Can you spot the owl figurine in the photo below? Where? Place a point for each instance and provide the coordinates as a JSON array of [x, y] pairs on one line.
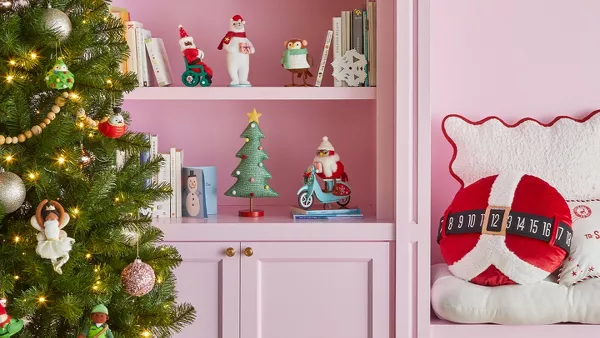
[[59, 77], [113, 126]]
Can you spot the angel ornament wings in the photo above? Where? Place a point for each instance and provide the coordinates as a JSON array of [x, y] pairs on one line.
[[53, 243]]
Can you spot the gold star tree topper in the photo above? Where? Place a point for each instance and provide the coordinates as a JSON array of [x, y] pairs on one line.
[[253, 116]]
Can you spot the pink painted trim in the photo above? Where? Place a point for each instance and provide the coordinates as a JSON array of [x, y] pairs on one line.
[[454, 147]]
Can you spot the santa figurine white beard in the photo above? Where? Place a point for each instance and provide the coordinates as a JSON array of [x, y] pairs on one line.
[[328, 164], [238, 48]]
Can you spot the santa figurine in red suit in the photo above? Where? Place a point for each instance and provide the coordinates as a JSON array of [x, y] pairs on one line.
[[193, 55], [8, 325], [328, 165], [238, 48]]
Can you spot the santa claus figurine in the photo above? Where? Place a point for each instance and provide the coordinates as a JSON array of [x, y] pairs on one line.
[[8, 325], [193, 55], [238, 48], [328, 165]]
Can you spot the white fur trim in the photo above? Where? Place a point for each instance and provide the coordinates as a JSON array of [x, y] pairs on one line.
[[564, 154], [503, 189], [325, 144], [329, 163], [182, 42], [491, 250]]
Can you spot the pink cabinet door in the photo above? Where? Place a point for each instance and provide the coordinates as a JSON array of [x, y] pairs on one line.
[[210, 280], [319, 289]]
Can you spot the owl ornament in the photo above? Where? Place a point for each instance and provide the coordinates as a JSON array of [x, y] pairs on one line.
[[59, 77], [53, 242], [297, 61], [113, 126]]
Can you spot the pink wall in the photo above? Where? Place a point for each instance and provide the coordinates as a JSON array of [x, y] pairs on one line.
[[512, 58], [209, 130]]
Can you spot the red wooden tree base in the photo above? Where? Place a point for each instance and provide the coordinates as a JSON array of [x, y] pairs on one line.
[[251, 213]]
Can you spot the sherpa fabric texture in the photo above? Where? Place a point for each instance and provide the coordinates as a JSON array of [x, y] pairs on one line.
[[564, 152], [545, 302], [492, 260]]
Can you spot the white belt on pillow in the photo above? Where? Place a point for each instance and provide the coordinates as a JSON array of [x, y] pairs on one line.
[[491, 248]]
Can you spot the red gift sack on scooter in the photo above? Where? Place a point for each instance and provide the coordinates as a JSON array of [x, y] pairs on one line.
[[340, 190]]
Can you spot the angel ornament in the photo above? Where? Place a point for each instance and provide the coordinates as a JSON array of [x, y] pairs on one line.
[[53, 243]]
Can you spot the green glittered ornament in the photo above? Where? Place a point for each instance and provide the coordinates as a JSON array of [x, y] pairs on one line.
[[59, 77]]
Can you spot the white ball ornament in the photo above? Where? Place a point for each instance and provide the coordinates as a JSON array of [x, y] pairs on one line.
[[237, 172], [234, 192], [12, 191], [253, 125]]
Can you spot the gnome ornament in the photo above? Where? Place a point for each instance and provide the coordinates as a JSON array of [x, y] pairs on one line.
[[113, 126], [328, 165], [193, 55], [238, 49], [505, 229], [8, 325]]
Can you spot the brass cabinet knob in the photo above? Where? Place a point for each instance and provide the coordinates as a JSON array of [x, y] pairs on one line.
[[230, 252], [248, 252]]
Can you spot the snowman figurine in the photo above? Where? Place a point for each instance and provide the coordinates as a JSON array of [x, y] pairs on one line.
[[192, 203]]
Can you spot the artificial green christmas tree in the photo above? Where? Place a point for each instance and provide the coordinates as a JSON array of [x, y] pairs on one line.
[[251, 173], [69, 216]]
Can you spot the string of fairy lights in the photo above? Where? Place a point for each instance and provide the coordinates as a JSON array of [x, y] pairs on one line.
[[82, 122]]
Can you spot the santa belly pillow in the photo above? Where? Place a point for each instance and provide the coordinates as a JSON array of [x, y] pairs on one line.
[[509, 228]]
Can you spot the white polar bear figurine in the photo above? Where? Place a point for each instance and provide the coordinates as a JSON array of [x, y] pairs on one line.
[[238, 49]]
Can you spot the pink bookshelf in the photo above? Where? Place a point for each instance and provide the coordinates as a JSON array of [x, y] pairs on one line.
[[336, 275], [253, 93]]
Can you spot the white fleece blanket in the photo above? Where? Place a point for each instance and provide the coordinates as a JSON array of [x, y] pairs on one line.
[[546, 302], [566, 145]]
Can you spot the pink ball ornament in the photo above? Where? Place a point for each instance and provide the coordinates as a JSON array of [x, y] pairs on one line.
[[138, 278]]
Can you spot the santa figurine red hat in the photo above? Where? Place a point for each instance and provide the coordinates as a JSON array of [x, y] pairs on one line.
[[238, 18], [327, 161], [193, 55]]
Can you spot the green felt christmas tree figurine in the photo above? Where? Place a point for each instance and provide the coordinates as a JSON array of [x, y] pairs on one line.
[[251, 173], [59, 77]]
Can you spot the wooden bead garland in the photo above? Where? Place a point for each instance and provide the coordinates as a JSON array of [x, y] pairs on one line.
[[37, 129]]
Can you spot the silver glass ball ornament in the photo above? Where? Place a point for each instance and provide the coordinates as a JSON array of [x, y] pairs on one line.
[[59, 22], [12, 191]]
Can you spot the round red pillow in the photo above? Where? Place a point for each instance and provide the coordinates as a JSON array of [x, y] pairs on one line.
[[506, 229]]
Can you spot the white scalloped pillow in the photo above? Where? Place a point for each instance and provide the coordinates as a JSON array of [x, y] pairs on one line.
[[565, 152]]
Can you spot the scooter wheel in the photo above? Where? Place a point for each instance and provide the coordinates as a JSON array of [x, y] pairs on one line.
[[344, 201], [305, 201]]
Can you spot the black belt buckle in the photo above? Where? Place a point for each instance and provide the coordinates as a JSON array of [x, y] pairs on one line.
[[495, 221]]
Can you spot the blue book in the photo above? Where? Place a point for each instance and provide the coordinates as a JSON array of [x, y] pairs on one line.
[[209, 193], [193, 203], [327, 212]]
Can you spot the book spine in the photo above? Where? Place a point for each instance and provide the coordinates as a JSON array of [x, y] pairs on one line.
[[366, 44], [337, 44], [142, 64], [173, 156], [162, 208], [145, 158], [324, 58], [357, 31], [120, 159], [167, 65], [132, 27], [178, 169]]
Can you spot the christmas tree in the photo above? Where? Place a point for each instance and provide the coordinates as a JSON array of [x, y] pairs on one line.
[[251, 173], [70, 220]]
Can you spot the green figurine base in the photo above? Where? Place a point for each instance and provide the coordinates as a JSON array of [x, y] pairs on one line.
[[12, 327]]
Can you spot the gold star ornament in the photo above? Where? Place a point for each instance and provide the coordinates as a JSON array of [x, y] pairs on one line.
[[253, 116]]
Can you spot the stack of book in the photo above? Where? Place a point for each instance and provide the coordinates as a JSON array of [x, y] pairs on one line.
[[146, 53], [350, 213], [176, 175], [357, 30]]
